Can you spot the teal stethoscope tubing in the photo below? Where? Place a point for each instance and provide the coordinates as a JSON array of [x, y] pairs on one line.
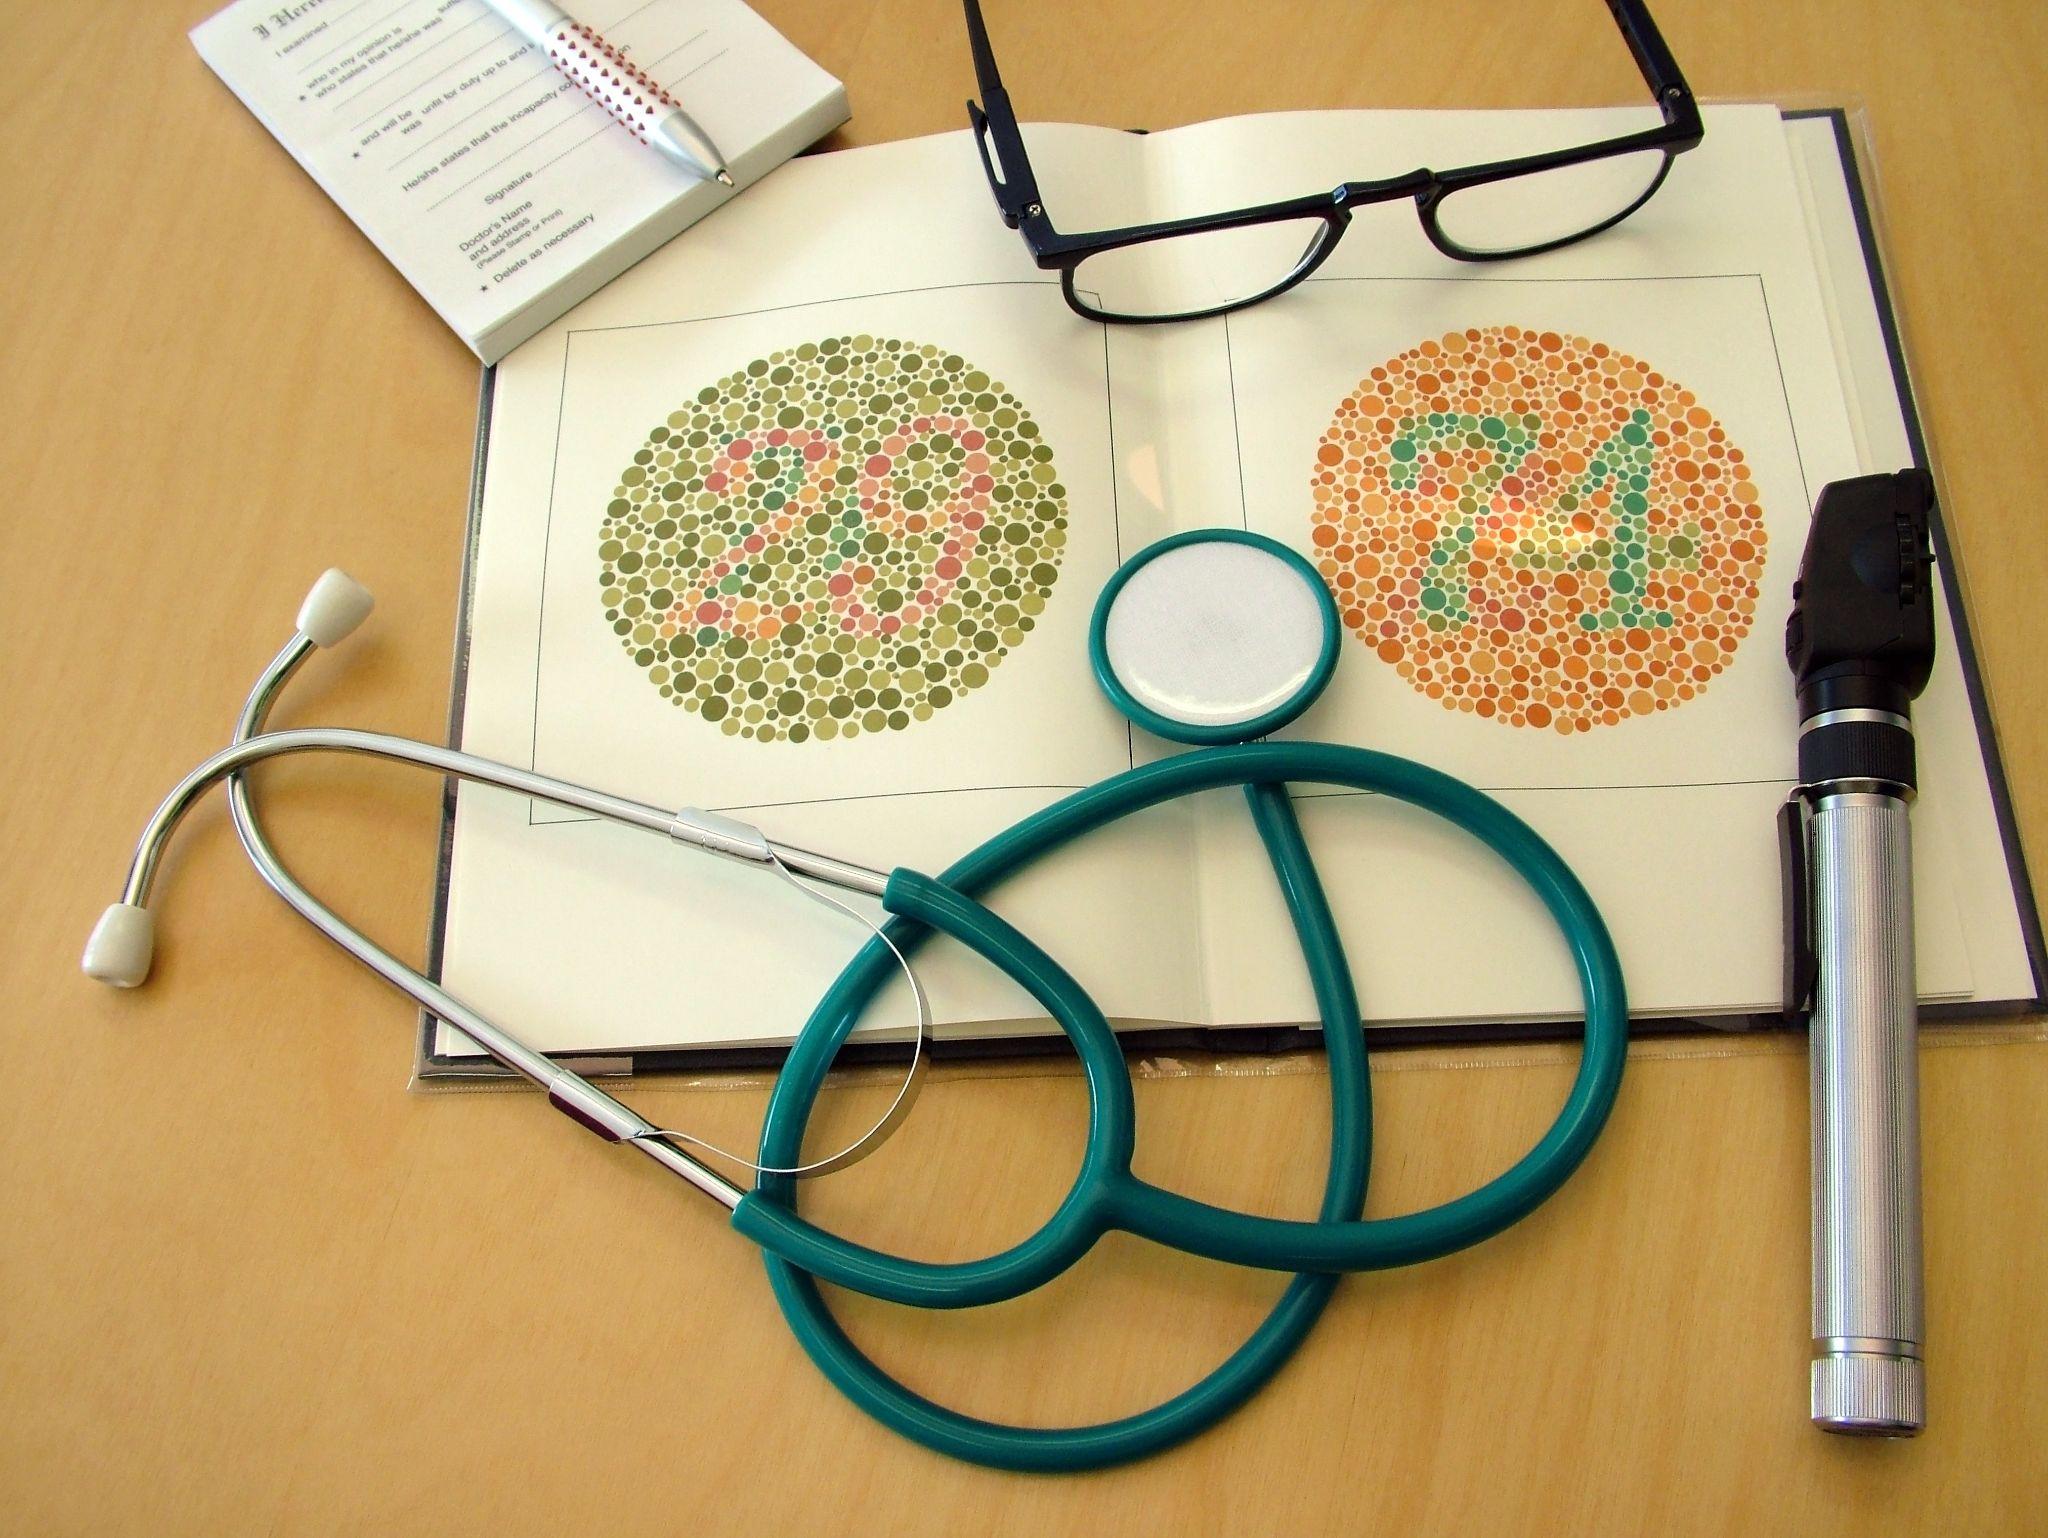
[[1105, 1194]]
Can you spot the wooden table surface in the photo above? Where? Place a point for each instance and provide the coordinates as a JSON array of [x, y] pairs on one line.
[[249, 1284]]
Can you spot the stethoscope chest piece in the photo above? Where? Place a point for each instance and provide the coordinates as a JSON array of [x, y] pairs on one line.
[[1214, 636]]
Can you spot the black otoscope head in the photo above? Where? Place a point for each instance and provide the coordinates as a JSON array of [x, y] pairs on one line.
[[1861, 635]]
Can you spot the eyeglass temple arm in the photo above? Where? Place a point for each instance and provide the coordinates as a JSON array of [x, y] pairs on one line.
[[987, 77], [1653, 58], [993, 119]]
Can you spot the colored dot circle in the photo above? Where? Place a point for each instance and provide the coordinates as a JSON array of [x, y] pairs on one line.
[[1537, 529], [842, 537]]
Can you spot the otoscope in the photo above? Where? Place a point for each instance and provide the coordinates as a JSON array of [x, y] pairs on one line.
[[1860, 642]]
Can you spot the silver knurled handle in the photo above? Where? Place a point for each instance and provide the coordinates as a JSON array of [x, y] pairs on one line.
[[1867, 1301]]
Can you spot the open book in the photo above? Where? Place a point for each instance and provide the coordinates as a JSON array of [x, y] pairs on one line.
[[803, 520]]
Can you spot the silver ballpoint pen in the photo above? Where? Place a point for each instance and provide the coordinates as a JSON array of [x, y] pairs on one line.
[[604, 74]]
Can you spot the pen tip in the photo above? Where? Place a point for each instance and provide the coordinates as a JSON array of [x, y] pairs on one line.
[[723, 175]]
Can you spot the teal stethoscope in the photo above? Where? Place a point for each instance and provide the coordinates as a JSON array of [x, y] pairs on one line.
[[1210, 639]]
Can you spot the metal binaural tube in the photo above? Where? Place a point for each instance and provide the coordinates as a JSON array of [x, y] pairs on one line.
[[683, 826], [1868, 1309], [120, 950], [568, 1091]]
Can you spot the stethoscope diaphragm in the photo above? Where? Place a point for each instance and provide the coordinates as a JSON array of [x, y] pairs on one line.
[[1214, 636]]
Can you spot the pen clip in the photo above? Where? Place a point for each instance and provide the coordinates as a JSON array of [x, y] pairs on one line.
[[1802, 961]]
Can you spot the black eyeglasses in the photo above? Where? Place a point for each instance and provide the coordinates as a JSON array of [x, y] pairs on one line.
[[1185, 269]]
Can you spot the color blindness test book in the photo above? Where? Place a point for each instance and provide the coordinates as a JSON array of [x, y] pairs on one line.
[[803, 520], [491, 183]]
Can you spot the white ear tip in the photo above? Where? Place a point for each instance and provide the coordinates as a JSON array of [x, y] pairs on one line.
[[336, 605], [122, 945]]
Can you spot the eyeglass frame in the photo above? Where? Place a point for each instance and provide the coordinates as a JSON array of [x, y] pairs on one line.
[[994, 125]]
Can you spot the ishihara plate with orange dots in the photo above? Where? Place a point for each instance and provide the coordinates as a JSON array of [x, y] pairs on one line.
[[1537, 529]]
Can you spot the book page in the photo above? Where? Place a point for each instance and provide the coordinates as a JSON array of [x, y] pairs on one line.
[[619, 613], [478, 169], [1560, 502], [1956, 822], [803, 521]]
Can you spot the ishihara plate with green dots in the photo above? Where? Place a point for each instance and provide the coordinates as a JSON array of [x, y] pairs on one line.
[[1537, 529], [841, 537]]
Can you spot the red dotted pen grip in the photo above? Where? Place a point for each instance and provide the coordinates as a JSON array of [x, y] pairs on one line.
[[610, 79]]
